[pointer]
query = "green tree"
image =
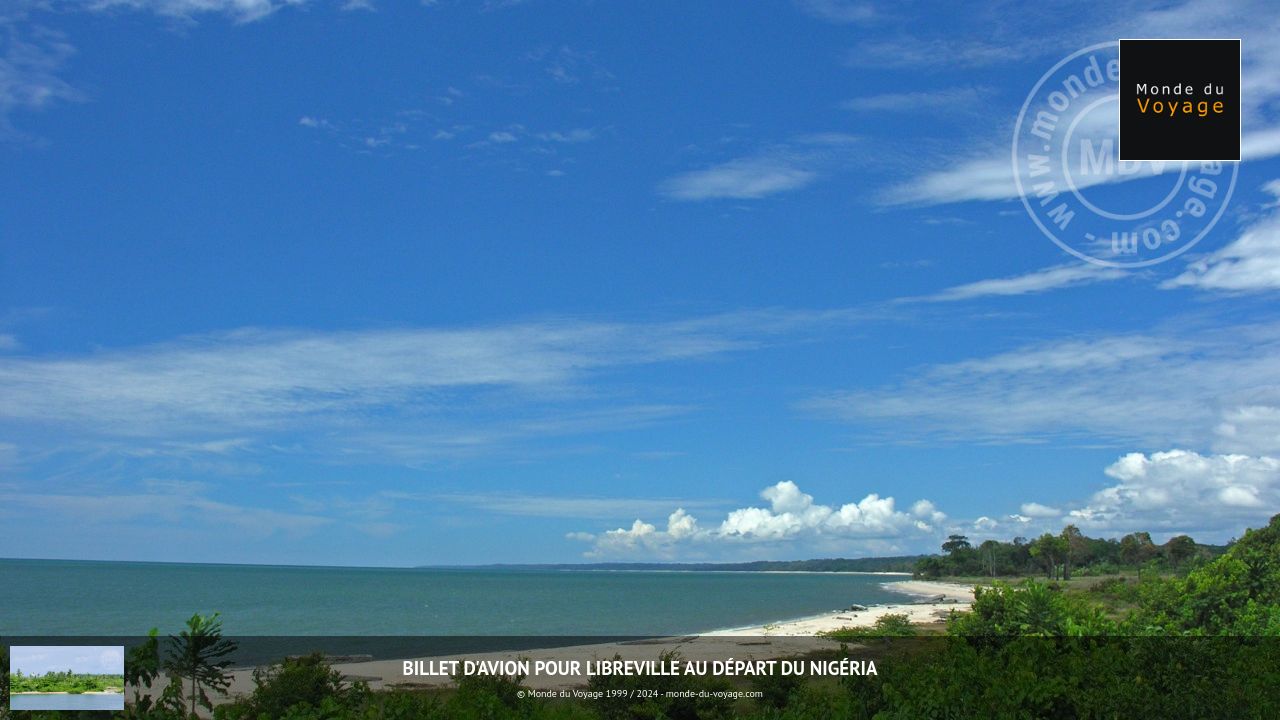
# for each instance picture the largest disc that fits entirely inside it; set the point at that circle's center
(955, 545)
(1180, 548)
(198, 655)
(988, 551)
(1048, 549)
(1074, 545)
(929, 567)
(1137, 548)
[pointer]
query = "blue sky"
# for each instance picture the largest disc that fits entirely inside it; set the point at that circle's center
(379, 283)
(87, 659)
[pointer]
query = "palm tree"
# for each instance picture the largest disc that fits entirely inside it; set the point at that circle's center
(198, 654)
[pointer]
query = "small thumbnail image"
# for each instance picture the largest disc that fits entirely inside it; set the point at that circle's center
(66, 677)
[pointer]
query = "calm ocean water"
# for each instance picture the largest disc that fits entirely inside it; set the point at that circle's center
(93, 701)
(44, 597)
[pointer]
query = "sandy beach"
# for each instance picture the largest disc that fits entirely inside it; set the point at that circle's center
(934, 602)
(947, 597)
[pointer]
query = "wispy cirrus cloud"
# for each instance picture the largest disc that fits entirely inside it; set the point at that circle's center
(31, 58)
(839, 12)
(742, 178)
(778, 169)
(437, 390)
(1216, 387)
(565, 506)
(952, 100)
(988, 175)
(1038, 281)
(915, 52)
(238, 10)
(1250, 263)
(171, 504)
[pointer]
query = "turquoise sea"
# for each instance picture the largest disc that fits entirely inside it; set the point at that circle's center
(55, 597)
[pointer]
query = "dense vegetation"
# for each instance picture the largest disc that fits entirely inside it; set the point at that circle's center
(65, 682)
(1200, 644)
(1062, 555)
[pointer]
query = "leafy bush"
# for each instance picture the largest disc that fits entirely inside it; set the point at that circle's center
(890, 625)
(1236, 594)
(1030, 609)
(302, 682)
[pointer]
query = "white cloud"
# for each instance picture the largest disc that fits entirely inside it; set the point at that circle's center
(791, 515)
(782, 168)
(169, 503)
(1184, 491)
(502, 136)
(744, 178)
(562, 506)
(412, 393)
(988, 175)
(953, 52)
(239, 10)
(576, 135)
(1036, 510)
(1050, 278)
(949, 99)
(319, 123)
(1249, 263)
(1202, 386)
(30, 59)
(838, 11)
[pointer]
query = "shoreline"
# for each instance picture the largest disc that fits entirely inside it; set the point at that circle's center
(953, 596)
(786, 638)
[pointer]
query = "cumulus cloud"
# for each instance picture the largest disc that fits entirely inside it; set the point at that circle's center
(1184, 491)
(791, 514)
(984, 524)
(1036, 510)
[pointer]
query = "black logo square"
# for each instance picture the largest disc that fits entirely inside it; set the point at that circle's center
(1179, 100)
